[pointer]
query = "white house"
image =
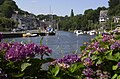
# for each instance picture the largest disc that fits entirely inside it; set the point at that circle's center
(103, 16)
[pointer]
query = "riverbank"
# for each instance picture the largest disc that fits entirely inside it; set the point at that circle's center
(20, 34)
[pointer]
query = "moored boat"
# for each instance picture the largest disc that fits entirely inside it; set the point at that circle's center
(92, 32)
(78, 32)
(29, 35)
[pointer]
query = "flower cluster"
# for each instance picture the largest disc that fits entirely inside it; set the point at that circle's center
(18, 51)
(115, 45)
(42, 50)
(106, 37)
(88, 72)
(94, 46)
(4, 46)
(67, 60)
(102, 74)
(88, 62)
(96, 56)
(118, 64)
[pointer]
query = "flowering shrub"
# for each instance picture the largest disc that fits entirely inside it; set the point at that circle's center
(100, 59)
(17, 60)
(18, 51)
(66, 67)
(66, 61)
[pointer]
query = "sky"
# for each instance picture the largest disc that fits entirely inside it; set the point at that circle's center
(59, 7)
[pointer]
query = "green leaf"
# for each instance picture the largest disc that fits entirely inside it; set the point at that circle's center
(56, 78)
(75, 67)
(82, 48)
(114, 76)
(96, 52)
(115, 67)
(113, 58)
(110, 52)
(24, 66)
(117, 55)
(94, 57)
(10, 63)
(41, 41)
(118, 77)
(17, 75)
(55, 70)
(99, 61)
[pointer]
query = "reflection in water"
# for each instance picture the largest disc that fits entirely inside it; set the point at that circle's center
(62, 43)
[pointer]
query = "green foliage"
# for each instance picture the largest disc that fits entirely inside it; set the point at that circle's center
(24, 66)
(75, 67)
(7, 8)
(73, 72)
(28, 68)
(113, 3)
(41, 41)
(115, 67)
(83, 22)
(114, 7)
(114, 77)
(55, 71)
(6, 24)
(82, 48)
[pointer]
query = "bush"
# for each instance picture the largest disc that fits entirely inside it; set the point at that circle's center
(18, 60)
(100, 59)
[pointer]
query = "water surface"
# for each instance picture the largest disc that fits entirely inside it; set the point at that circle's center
(62, 43)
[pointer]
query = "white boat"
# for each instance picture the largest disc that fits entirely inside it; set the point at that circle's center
(49, 29)
(92, 32)
(78, 32)
(33, 35)
(29, 35)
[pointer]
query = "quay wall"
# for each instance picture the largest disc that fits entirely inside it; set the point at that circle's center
(20, 34)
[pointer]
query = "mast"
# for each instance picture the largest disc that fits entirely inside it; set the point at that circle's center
(51, 18)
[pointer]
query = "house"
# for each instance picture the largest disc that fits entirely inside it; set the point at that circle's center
(103, 16)
(25, 22)
(116, 19)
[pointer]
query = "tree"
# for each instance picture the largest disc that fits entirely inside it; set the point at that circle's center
(114, 8)
(113, 3)
(7, 8)
(6, 24)
(72, 13)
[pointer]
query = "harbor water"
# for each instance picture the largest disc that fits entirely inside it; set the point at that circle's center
(62, 43)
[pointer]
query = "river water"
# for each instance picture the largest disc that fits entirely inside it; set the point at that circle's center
(62, 43)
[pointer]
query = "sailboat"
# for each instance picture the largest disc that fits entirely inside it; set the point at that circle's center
(52, 25)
